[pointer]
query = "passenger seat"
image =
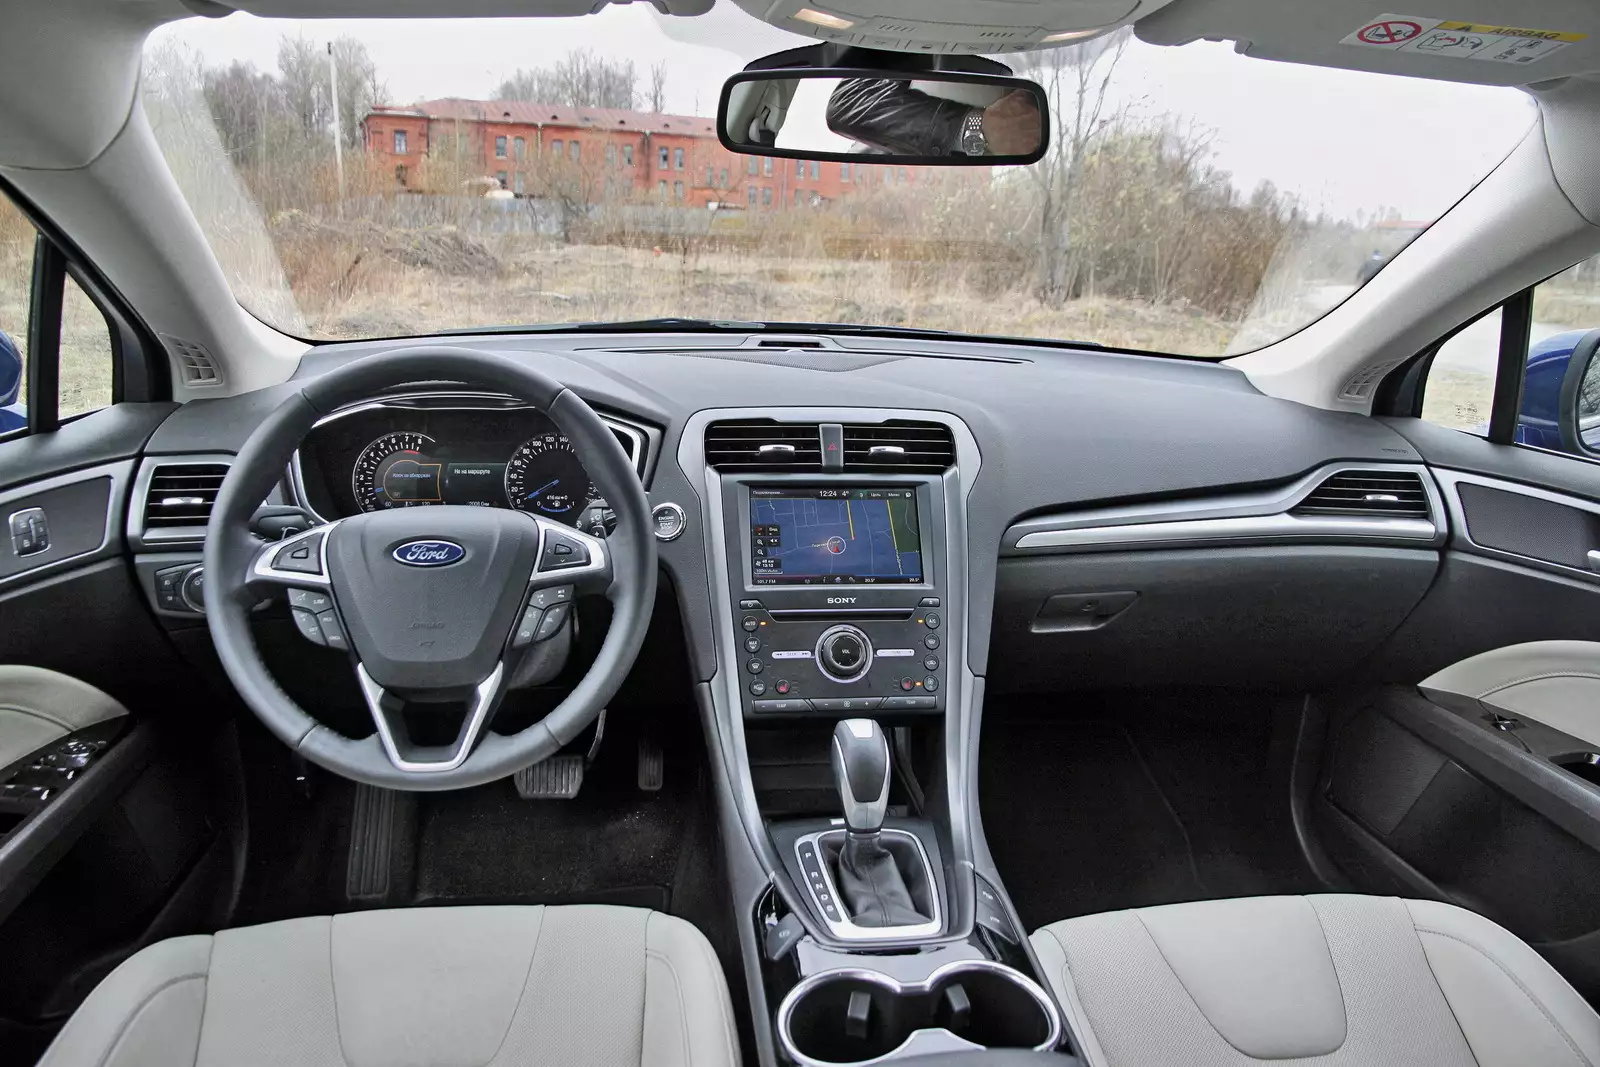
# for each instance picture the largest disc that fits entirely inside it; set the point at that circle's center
(1335, 980)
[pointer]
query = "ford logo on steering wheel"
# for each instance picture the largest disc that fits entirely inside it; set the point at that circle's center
(429, 553)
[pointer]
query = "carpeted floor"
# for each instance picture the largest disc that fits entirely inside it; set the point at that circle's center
(1100, 808)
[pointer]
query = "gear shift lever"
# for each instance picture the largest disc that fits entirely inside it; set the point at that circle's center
(871, 884)
(861, 771)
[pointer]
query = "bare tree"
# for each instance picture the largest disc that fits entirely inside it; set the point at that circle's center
(658, 87)
(579, 79)
(303, 79)
(1077, 78)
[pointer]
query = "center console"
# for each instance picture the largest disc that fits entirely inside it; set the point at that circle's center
(843, 716)
(840, 602)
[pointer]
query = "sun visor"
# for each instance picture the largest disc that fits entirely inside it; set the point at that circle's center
(955, 27)
(1486, 42)
(366, 9)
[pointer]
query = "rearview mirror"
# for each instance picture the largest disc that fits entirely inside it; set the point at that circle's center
(925, 117)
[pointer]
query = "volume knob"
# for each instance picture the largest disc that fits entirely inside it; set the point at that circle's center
(844, 653)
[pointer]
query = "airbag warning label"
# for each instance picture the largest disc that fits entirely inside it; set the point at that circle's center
(1460, 40)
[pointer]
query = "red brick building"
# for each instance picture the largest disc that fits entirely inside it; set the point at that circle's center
(530, 148)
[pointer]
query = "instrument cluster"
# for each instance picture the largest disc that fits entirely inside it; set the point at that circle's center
(419, 452)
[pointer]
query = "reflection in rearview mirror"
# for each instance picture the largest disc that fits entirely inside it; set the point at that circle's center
(930, 118)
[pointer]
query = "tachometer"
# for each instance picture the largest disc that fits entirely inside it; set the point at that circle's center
(544, 476)
(397, 471)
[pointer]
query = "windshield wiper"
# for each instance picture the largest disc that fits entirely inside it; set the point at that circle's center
(673, 324)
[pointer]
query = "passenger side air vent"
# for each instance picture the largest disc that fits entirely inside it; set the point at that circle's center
(181, 494)
(1380, 494)
(764, 444)
(898, 445)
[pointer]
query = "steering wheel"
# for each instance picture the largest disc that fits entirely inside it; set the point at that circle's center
(436, 605)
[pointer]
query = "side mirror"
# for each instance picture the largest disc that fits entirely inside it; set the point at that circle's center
(13, 406)
(884, 114)
(1579, 411)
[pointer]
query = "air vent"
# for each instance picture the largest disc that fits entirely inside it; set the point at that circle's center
(181, 494)
(764, 444)
(196, 365)
(1384, 494)
(898, 445)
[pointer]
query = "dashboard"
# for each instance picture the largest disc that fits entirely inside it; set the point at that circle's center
(470, 449)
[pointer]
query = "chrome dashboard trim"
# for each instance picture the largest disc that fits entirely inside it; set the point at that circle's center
(637, 435)
(484, 697)
(1249, 518)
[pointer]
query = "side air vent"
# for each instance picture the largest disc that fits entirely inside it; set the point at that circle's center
(764, 444)
(898, 445)
(1380, 494)
(181, 494)
(196, 365)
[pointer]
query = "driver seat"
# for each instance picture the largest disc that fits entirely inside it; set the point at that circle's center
(426, 987)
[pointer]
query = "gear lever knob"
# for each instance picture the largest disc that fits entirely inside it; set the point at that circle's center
(861, 771)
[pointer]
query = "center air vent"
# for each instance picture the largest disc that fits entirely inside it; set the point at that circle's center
(182, 494)
(764, 444)
(898, 445)
(1380, 494)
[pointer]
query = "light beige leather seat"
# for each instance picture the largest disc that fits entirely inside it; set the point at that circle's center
(1331, 981)
(426, 987)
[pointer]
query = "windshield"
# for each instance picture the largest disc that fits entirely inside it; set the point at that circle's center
(390, 178)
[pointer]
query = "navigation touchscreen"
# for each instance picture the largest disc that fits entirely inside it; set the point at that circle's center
(834, 536)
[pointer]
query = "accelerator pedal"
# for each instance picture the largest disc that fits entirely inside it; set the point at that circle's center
(372, 822)
(556, 778)
(652, 766)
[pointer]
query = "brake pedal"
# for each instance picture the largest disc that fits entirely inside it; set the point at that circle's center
(371, 844)
(556, 778)
(652, 766)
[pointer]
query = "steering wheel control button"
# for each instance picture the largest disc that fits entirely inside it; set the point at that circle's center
(563, 550)
(754, 666)
(844, 653)
(750, 624)
(555, 594)
(554, 619)
(527, 627)
(931, 620)
(670, 521)
(312, 601)
(302, 557)
(306, 623)
(332, 633)
(758, 689)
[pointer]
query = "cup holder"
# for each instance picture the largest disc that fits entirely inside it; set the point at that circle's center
(858, 1016)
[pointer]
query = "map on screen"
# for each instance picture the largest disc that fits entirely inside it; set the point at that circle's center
(834, 536)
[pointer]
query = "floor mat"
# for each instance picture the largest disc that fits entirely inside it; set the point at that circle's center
(1085, 815)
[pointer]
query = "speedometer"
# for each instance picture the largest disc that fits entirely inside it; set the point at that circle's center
(397, 471)
(544, 476)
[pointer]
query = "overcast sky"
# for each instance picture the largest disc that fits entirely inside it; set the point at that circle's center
(1345, 142)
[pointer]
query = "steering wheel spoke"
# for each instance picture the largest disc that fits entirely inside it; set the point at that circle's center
(297, 561)
(388, 714)
(570, 557)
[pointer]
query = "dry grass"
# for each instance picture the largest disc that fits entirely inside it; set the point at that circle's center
(364, 294)
(1458, 399)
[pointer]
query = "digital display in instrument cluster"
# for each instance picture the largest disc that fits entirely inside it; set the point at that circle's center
(398, 458)
(834, 536)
